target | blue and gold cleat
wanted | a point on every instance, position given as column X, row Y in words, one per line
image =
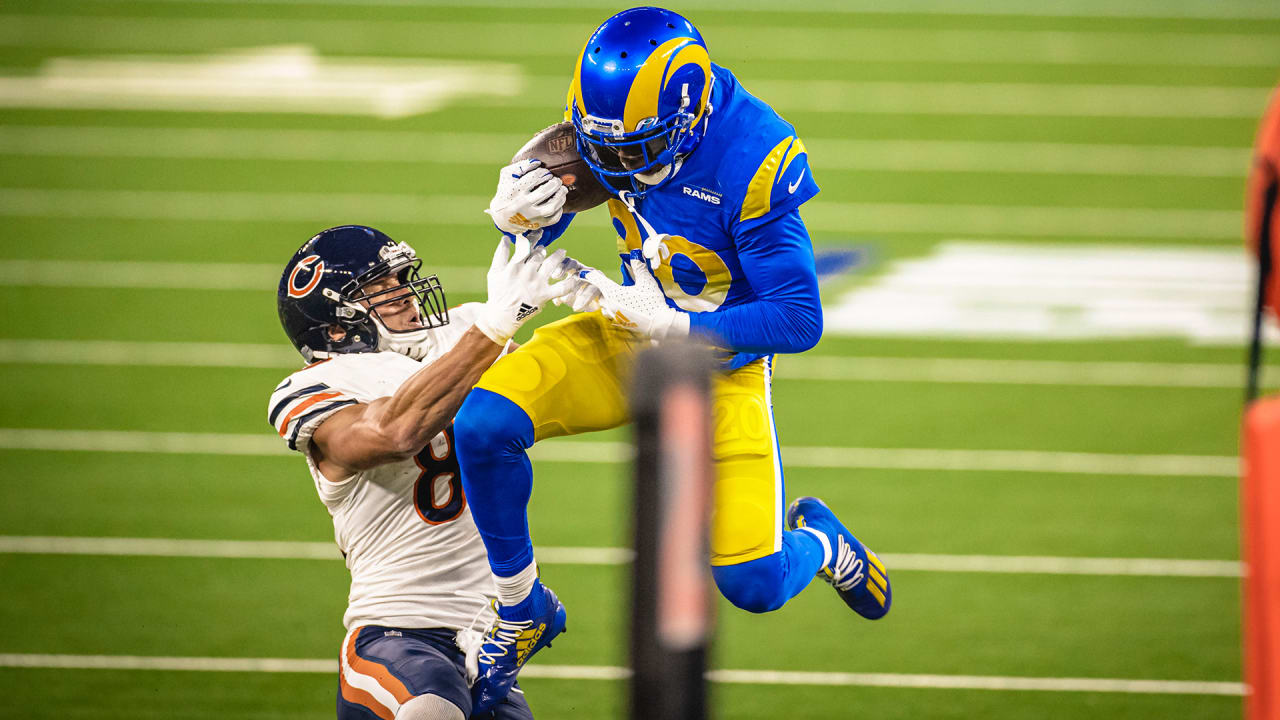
column 520, row 631
column 854, row 571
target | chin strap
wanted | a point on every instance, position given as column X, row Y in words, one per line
column 416, row 344
column 653, row 248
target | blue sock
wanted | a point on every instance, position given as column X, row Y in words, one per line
column 765, row 584
column 492, row 434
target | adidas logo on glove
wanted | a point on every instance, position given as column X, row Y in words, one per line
column 525, row 311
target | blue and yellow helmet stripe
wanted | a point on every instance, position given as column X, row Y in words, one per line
column 652, row 84
column 641, row 88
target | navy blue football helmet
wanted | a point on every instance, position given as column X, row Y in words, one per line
column 640, row 97
column 325, row 282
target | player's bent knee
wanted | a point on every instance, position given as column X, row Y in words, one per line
column 429, row 707
column 742, row 524
column 489, row 424
column 755, row 586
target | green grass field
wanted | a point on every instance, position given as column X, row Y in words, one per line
column 973, row 119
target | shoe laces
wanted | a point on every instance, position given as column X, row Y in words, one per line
column 501, row 636
column 493, row 638
column 848, row 569
column 470, row 640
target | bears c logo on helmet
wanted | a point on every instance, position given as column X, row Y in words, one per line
column 305, row 264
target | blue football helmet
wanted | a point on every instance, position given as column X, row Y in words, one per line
column 323, row 285
column 640, row 97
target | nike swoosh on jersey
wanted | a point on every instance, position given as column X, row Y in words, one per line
column 791, row 187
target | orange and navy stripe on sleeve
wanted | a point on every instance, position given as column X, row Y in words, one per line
column 291, row 413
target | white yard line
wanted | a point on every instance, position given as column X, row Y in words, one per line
column 279, row 78
column 960, row 98
column 569, row 451
column 1207, row 9
column 19, row 90
column 372, row 208
column 492, row 149
column 296, row 550
column 453, row 38
column 172, row 354
column 1007, row 372
column 262, row 277
column 596, row 672
column 800, row 367
column 255, row 549
column 965, row 220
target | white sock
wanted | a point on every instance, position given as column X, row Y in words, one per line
column 822, row 538
column 513, row 589
column 429, row 707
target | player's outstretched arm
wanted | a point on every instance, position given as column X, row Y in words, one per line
column 394, row 428
column 786, row 316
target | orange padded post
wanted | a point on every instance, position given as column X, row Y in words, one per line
column 1260, row 525
column 1260, row 444
column 1261, row 224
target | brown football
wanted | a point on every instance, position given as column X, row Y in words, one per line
column 558, row 151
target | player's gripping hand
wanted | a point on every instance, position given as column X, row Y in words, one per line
column 585, row 297
column 528, row 197
column 519, row 285
column 640, row 307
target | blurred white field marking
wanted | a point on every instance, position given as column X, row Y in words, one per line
column 1209, row 9
column 606, row 672
column 569, row 451
column 821, row 368
column 959, row 98
column 171, row 354
column 1001, row 372
column 494, row 149
column 849, row 218
column 258, row 550
column 295, row 550
column 991, row 290
column 454, row 38
column 289, row 79
column 337, row 208
column 162, row 275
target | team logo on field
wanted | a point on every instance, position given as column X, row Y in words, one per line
column 702, row 194
column 306, row 264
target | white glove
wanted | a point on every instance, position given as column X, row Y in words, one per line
column 640, row 307
column 585, row 297
column 528, row 197
column 519, row 285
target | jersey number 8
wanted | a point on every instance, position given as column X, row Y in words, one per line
column 437, row 494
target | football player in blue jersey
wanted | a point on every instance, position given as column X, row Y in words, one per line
column 709, row 181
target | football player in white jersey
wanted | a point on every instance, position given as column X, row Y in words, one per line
column 372, row 414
